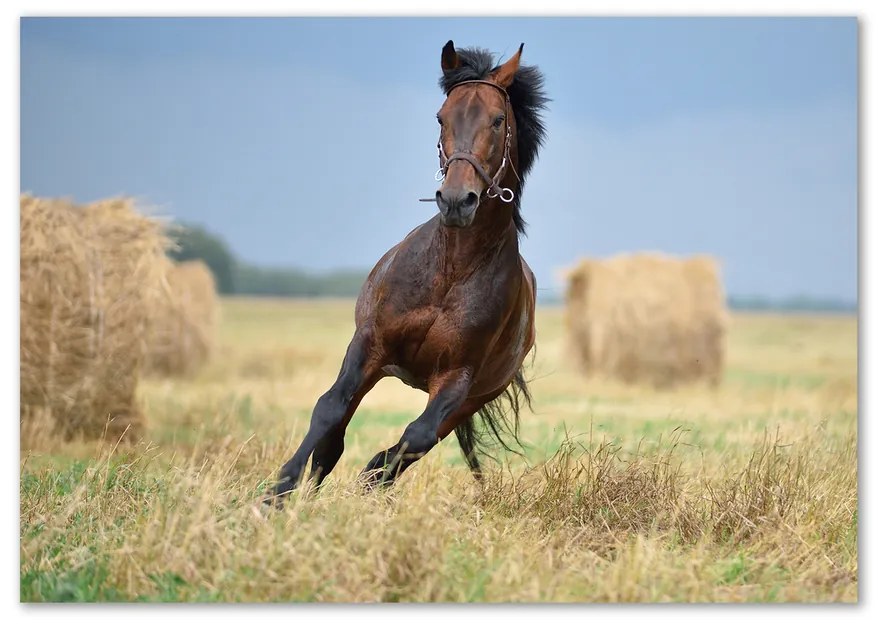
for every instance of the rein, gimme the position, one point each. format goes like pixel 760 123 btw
pixel 494 188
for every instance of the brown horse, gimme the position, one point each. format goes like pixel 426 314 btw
pixel 449 310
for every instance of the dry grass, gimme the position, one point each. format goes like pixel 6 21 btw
pixel 89 277
pixel 648 318
pixel 184 322
pixel 744 493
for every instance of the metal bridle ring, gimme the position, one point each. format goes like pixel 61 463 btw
pixel 439 176
pixel 506 190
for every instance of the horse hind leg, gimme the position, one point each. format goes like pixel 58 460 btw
pixel 486 411
pixel 465 432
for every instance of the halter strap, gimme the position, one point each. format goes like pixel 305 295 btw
pixel 467 156
pixel 493 188
pixel 483 81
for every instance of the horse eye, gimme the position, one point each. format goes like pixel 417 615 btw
pixel 498 121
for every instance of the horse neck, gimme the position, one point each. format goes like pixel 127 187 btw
pixel 493 230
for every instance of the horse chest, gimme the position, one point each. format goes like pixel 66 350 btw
pixel 429 341
pixel 413 349
pixel 414 336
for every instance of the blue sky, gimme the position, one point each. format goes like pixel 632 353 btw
pixel 306 142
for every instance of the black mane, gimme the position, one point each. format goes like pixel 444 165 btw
pixel 527 99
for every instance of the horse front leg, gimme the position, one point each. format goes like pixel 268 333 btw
pixel 447 394
pixel 333 411
pixel 327 452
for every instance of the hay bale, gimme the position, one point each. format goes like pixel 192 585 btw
pixel 185 321
pixel 647 318
pixel 89 276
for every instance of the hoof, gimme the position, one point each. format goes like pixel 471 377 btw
pixel 273 501
pixel 373 480
pixel 260 510
pixel 275 497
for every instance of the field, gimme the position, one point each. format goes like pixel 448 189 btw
pixel 747 493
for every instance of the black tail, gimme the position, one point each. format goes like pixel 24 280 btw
pixel 497 419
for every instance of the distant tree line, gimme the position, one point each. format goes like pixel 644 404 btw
pixel 196 243
pixel 253 280
pixel 797 303
pixel 236 277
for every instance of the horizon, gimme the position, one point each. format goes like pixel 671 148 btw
pixel 734 137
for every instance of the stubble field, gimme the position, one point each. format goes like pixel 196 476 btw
pixel 747 493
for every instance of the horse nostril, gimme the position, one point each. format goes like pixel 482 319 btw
pixel 470 200
pixel 441 202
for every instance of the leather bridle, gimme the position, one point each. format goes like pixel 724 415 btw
pixel 493 184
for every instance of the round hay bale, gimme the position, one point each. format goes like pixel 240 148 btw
pixel 647 318
pixel 89 276
pixel 185 321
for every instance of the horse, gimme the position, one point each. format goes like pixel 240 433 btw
pixel 450 309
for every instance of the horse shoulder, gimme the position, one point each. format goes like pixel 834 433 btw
pixel 372 290
pixel 367 297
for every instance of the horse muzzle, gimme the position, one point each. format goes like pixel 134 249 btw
pixel 457 207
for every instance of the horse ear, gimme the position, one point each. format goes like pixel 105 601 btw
pixel 503 76
pixel 449 58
